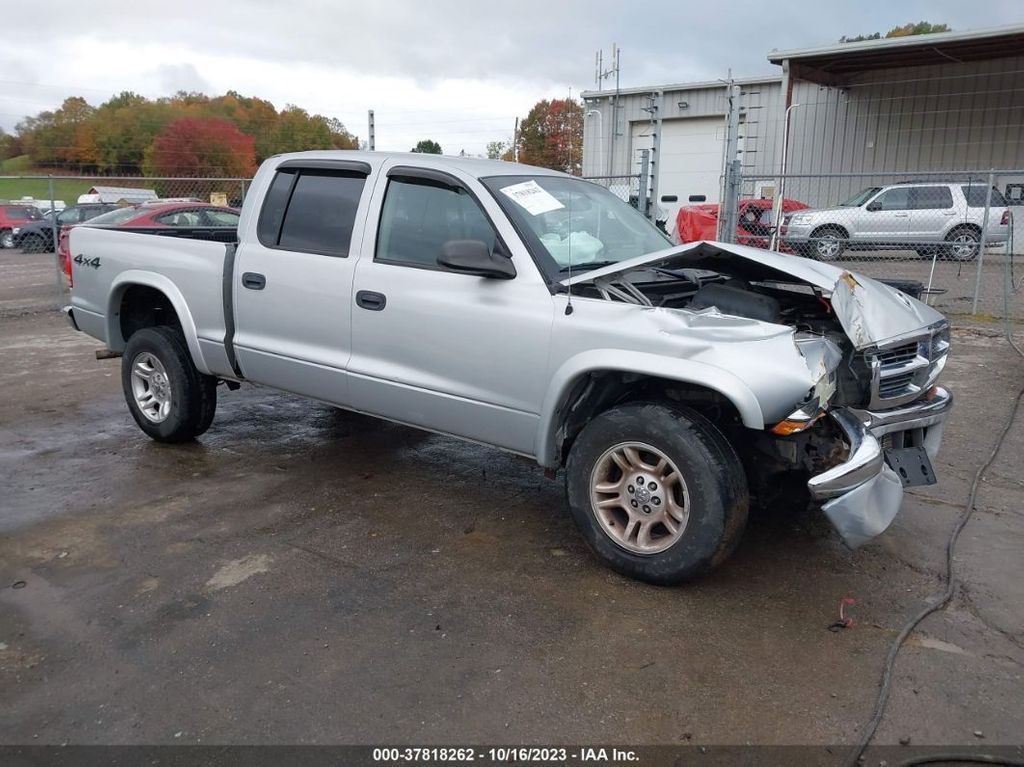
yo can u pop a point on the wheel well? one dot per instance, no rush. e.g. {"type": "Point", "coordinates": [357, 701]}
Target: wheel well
{"type": "Point", "coordinates": [961, 227]}
{"type": "Point", "coordinates": [835, 227]}
{"type": "Point", "coordinates": [144, 307]}
{"type": "Point", "coordinates": [597, 391]}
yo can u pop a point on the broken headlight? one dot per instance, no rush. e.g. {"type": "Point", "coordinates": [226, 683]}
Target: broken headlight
{"type": "Point", "coordinates": [822, 358]}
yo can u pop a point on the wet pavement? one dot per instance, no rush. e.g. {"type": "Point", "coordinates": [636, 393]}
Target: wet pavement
{"type": "Point", "coordinates": [305, 575]}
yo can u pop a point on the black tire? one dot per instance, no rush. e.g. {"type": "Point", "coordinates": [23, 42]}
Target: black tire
{"type": "Point", "coordinates": [828, 243]}
{"type": "Point", "coordinates": [964, 244]}
{"type": "Point", "coordinates": [192, 396]}
{"type": "Point", "coordinates": [714, 477]}
{"type": "Point", "coordinates": [6, 238]}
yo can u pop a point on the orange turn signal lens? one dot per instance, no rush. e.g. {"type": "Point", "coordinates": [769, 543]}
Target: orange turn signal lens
{"type": "Point", "coordinates": [787, 427]}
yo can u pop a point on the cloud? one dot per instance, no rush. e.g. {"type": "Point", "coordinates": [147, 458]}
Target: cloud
{"type": "Point", "coordinates": [457, 71]}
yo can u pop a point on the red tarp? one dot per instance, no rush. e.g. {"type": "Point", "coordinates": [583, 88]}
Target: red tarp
{"type": "Point", "coordinates": [700, 222]}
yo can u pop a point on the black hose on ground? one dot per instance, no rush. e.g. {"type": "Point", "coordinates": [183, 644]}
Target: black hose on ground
{"type": "Point", "coordinates": [943, 599]}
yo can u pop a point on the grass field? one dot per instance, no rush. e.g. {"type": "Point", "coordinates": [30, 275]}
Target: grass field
{"type": "Point", "coordinates": [63, 189]}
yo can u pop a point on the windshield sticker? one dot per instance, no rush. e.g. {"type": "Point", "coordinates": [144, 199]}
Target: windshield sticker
{"type": "Point", "coordinates": [532, 198]}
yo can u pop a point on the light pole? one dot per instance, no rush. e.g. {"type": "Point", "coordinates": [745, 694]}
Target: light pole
{"type": "Point", "coordinates": [600, 129]}
{"type": "Point", "coordinates": [780, 192]}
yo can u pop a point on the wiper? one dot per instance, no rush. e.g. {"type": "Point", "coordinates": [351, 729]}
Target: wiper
{"type": "Point", "coordinates": [588, 266]}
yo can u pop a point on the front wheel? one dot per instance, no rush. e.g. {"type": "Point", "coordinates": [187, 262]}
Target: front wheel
{"type": "Point", "coordinates": [6, 239]}
{"type": "Point", "coordinates": [168, 397]}
{"type": "Point", "coordinates": [657, 491]}
{"type": "Point", "coordinates": [827, 244]}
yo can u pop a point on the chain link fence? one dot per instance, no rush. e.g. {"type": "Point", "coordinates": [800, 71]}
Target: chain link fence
{"type": "Point", "coordinates": [35, 209]}
{"type": "Point", "coordinates": [950, 235]}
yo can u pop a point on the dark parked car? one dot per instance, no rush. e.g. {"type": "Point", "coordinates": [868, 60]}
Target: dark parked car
{"type": "Point", "coordinates": [12, 218]}
{"type": "Point", "coordinates": [37, 237]}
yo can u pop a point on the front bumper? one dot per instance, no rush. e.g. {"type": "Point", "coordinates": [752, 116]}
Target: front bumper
{"type": "Point", "coordinates": [862, 495]}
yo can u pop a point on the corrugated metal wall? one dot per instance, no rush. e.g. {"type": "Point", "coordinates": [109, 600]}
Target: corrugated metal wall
{"type": "Point", "coordinates": [946, 117]}
{"type": "Point", "coordinates": [761, 100]}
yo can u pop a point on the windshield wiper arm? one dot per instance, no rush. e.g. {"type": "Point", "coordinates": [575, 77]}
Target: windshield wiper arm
{"type": "Point", "coordinates": [588, 266]}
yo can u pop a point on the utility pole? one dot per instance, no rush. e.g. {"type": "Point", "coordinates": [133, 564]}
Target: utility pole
{"type": "Point", "coordinates": [653, 108]}
{"type": "Point", "coordinates": [600, 75]}
{"type": "Point", "coordinates": [732, 170]}
{"type": "Point", "coordinates": [515, 142]}
{"type": "Point", "coordinates": [371, 142]}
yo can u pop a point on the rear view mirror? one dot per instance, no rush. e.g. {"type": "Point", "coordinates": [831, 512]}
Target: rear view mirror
{"type": "Point", "coordinates": [474, 257]}
{"type": "Point", "coordinates": [698, 198]}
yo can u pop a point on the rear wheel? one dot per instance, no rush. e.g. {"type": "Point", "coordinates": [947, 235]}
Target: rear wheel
{"type": "Point", "coordinates": [963, 244]}
{"type": "Point", "coordinates": [657, 492]}
{"type": "Point", "coordinates": [828, 243]}
{"type": "Point", "coordinates": [168, 397]}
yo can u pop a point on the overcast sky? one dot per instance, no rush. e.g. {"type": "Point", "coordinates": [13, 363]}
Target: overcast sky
{"type": "Point", "coordinates": [456, 71]}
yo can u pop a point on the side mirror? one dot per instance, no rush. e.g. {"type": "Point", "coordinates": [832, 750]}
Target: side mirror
{"type": "Point", "coordinates": [875, 207]}
{"type": "Point", "coordinates": [473, 257]}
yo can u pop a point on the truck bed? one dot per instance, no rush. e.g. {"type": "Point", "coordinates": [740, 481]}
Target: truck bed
{"type": "Point", "coordinates": [178, 262]}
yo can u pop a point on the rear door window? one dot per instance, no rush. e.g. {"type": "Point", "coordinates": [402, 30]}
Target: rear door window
{"type": "Point", "coordinates": [931, 198]}
{"type": "Point", "coordinates": [976, 193]}
{"type": "Point", "coordinates": [312, 211]}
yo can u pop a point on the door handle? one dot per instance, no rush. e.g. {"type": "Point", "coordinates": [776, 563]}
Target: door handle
{"type": "Point", "coordinates": [901, 215]}
{"type": "Point", "coordinates": [367, 299]}
{"type": "Point", "coordinates": [253, 281]}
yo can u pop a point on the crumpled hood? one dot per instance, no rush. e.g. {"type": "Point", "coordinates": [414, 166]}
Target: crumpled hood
{"type": "Point", "coordinates": [869, 311]}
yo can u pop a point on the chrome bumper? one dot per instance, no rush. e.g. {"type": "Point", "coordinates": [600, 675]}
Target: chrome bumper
{"type": "Point", "coordinates": [862, 495]}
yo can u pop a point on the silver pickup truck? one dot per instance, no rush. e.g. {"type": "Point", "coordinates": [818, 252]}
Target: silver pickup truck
{"type": "Point", "coordinates": [534, 312]}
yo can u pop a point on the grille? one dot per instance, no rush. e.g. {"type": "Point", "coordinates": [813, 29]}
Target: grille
{"type": "Point", "coordinates": [898, 355]}
{"type": "Point", "coordinates": [900, 373]}
{"type": "Point", "coordinates": [893, 386]}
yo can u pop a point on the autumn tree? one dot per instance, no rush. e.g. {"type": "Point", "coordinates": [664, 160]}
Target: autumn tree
{"type": "Point", "coordinates": [906, 30]}
{"type": "Point", "coordinates": [426, 146]}
{"type": "Point", "coordinates": [551, 136]}
{"type": "Point", "coordinates": [500, 150]}
{"type": "Point", "coordinates": [203, 146]}
{"type": "Point", "coordinates": [10, 146]}
{"type": "Point", "coordinates": [115, 137]}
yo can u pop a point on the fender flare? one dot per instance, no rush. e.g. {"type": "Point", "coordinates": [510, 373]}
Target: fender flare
{"type": "Point", "coordinates": [133, 277]}
{"type": "Point", "coordinates": [641, 363]}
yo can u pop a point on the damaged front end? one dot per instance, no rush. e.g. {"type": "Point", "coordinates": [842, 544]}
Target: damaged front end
{"type": "Point", "coordinates": [870, 421]}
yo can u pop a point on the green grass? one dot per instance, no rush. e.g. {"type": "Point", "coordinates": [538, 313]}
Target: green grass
{"type": "Point", "coordinates": [19, 164]}
{"type": "Point", "coordinates": [63, 189]}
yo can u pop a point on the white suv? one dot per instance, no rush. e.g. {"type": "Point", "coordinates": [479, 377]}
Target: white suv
{"type": "Point", "coordinates": [932, 218]}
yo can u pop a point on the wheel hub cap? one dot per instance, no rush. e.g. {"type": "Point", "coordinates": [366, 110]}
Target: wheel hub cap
{"type": "Point", "coordinates": [151, 387]}
{"type": "Point", "coordinates": [639, 498]}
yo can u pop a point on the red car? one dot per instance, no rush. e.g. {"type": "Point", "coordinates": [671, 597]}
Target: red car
{"type": "Point", "coordinates": [753, 224]}
{"type": "Point", "coordinates": [13, 217]}
{"type": "Point", "coordinates": [156, 215]}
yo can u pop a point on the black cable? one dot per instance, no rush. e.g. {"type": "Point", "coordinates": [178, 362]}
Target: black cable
{"type": "Point", "coordinates": [953, 757]}
{"type": "Point", "coordinates": [943, 599]}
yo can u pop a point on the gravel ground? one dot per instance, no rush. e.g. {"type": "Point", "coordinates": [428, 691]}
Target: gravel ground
{"type": "Point", "coordinates": [304, 575]}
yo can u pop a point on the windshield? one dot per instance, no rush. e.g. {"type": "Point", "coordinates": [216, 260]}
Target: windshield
{"type": "Point", "coordinates": [861, 197]}
{"type": "Point", "coordinates": [565, 219]}
{"type": "Point", "coordinates": [114, 217]}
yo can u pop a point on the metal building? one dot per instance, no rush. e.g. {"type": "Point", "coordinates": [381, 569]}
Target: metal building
{"type": "Point", "coordinates": [941, 102]}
